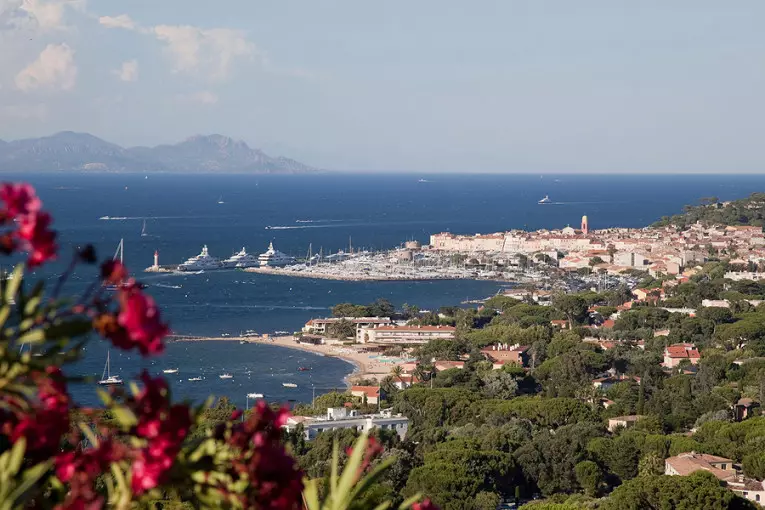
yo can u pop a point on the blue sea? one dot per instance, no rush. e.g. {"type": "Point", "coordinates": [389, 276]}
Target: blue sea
{"type": "Point", "coordinates": [328, 212]}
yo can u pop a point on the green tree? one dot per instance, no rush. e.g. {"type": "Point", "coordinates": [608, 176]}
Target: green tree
{"type": "Point", "coordinates": [487, 500]}
{"type": "Point", "coordinates": [589, 476]}
{"type": "Point", "coordinates": [342, 329]}
{"type": "Point", "coordinates": [754, 465]}
{"type": "Point", "coordinates": [499, 384]}
{"type": "Point", "coordinates": [651, 464]}
{"type": "Point", "coordinates": [699, 490]}
{"type": "Point", "coordinates": [572, 306]}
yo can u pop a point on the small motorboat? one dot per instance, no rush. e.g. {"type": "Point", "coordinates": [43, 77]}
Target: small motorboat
{"type": "Point", "coordinates": [194, 379]}
{"type": "Point", "coordinates": [545, 200]}
{"type": "Point", "coordinates": [289, 385]}
{"type": "Point", "coordinates": [226, 376]}
{"type": "Point", "coordinates": [170, 371]}
{"type": "Point", "coordinates": [304, 369]}
{"type": "Point", "coordinates": [254, 395]}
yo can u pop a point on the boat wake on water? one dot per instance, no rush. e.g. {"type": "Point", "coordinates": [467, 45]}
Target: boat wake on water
{"type": "Point", "coordinates": [320, 221]}
{"type": "Point", "coordinates": [132, 218]}
{"type": "Point", "coordinates": [164, 286]}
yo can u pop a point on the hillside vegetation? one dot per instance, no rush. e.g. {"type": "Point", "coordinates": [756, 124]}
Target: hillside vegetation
{"type": "Point", "coordinates": [746, 211]}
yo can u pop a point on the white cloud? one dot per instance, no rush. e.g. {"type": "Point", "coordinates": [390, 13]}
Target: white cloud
{"type": "Point", "coordinates": [53, 69]}
{"type": "Point", "coordinates": [35, 15]}
{"type": "Point", "coordinates": [202, 97]}
{"type": "Point", "coordinates": [121, 21]}
{"type": "Point", "coordinates": [128, 71]}
{"type": "Point", "coordinates": [209, 53]}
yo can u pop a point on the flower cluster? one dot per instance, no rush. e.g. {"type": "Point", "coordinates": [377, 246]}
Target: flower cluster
{"type": "Point", "coordinates": [138, 323]}
{"type": "Point", "coordinates": [46, 422]}
{"type": "Point", "coordinates": [163, 426]}
{"type": "Point", "coordinates": [23, 208]}
{"type": "Point", "coordinates": [138, 447]}
{"type": "Point", "coordinates": [80, 470]}
{"type": "Point", "coordinates": [275, 481]}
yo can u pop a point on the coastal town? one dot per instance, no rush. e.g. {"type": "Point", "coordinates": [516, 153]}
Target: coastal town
{"type": "Point", "coordinates": [547, 255]}
{"type": "Point", "coordinates": [618, 356]}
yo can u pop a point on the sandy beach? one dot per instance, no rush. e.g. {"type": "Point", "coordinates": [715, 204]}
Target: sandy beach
{"type": "Point", "coordinates": [366, 367]}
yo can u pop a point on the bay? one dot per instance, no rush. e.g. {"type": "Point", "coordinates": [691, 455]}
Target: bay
{"type": "Point", "coordinates": [328, 212]}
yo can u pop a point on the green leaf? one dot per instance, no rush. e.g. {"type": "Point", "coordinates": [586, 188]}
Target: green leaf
{"type": "Point", "coordinates": [36, 336]}
{"type": "Point", "coordinates": [347, 479]}
{"type": "Point", "coordinates": [311, 495]}
{"type": "Point", "coordinates": [30, 480]}
{"type": "Point", "coordinates": [407, 503]}
{"type": "Point", "coordinates": [5, 311]}
{"type": "Point", "coordinates": [124, 416]}
{"type": "Point", "coordinates": [12, 284]}
{"type": "Point", "coordinates": [17, 455]}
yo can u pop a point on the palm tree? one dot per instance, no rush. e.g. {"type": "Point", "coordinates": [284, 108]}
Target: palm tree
{"type": "Point", "coordinates": [387, 384]}
{"type": "Point", "coordinates": [419, 372]}
{"type": "Point", "coordinates": [398, 372]}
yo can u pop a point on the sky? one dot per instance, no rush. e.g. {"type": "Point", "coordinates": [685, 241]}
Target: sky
{"type": "Point", "coordinates": [535, 86]}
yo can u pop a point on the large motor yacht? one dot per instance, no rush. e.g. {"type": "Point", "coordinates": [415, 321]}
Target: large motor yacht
{"type": "Point", "coordinates": [202, 261]}
{"type": "Point", "coordinates": [241, 259]}
{"type": "Point", "coordinates": [274, 258]}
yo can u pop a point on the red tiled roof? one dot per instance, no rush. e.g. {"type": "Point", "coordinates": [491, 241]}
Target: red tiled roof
{"type": "Point", "coordinates": [369, 391]}
{"type": "Point", "coordinates": [682, 351]}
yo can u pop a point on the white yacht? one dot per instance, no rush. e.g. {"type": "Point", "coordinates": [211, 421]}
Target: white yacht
{"type": "Point", "coordinates": [226, 376]}
{"type": "Point", "coordinates": [107, 379]}
{"type": "Point", "coordinates": [202, 261]}
{"type": "Point", "coordinates": [545, 200]}
{"type": "Point", "coordinates": [274, 258]}
{"type": "Point", "coordinates": [289, 385]}
{"type": "Point", "coordinates": [193, 379]}
{"type": "Point", "coordinates": [241, 259]}
{"type": "Point", "coordinates": [170, 371]}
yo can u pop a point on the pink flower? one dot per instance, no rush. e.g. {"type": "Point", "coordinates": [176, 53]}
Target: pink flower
{"type": "Point", "coordinates": [43, 426]}
{"type": "Point", "coordinates": [164, 426]}
{"type": "Point", "coordinates": [141, 319]}
{"type": "Point", "coordinates": [20, 199]}
{"type": "Point", "coordinates": [113, 272]}
{"type": "Point", "coordinates": [37, 239]}
{"type": "Point", "coordinates": [274, 479]}
{"type": "Point", "coordinates": [81, 468]}
{"type": "Point", "coordinates": [425, 504]}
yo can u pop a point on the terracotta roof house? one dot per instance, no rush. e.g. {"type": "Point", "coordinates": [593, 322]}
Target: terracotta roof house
{"type": "Point", "coordinates": [371, 393]}
{"type": "Point", "coordinates": [676, 353]}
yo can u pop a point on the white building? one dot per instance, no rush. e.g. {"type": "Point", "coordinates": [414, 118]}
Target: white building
{"type": "Point", "coordinates": [319, 326]}
{"type": "Point", "coordinates": [405, 334]}
{"type": "Point", "coordinates": [339, 418]}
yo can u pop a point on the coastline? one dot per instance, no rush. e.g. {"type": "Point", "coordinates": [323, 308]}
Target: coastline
{"type": "Point", "coordinates": [366, 278]}
{"type": "Point", "coordinates": [364, 366]}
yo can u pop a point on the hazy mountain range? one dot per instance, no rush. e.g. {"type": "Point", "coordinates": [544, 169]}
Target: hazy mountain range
{"type": "Point", "coordinates": [68, 151]}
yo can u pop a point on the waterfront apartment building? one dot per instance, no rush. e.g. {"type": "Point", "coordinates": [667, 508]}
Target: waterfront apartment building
{"type": "Point", "coordinates": [339, 418]}
{"type": "Point", "coordinates": [405, 334]}
{"type": "Point", "coordinates": [319, 326]}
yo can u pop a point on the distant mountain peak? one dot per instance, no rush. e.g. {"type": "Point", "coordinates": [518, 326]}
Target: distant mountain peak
{"type": "Point", "coordinates": [68, 150]}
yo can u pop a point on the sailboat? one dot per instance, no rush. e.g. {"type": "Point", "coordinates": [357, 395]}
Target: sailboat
{"type": "Point", "coordinates": [143, 229]}
{"type": "Point", "coordinates": [118, 254]}
{"type": "Point", "coordinates": [107, 379]}
{"type": "Point", "coordinates": [220, 200]}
